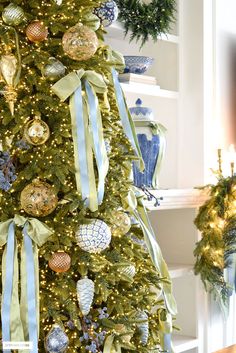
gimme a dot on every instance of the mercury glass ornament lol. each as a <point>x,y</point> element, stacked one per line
<point>94,237</point>
<point>36,131</point>
<point>107,13</point>
<point>36,32</point>
<point>13,15</point>
<point>85,293</point>
<point>54,69</point>
<point>121,223</point>
<point>80,42</point>
<point>60,262</point>
<point>38,199</point>
<point>56,341</point>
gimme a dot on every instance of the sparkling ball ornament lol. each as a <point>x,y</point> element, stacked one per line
<point>80,42</point>
<point>60,262</point>
<point>143,327</point>
<point>121,223</point>
<point>13,15</point>
<point>94,237</point>
<point>85,294</point>
<point>38,199</point>
<point>128,271</point>
<point>36,132</point>
<point>36,32</point>
<point>54,69</point>
<point>107,13</point>
<point>56,341</point>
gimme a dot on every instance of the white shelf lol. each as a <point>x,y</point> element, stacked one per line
<point>184,343</point>
<point>179,270</point>
<point>148,90</point>
<point>177,199</point>
<point>116,30</point>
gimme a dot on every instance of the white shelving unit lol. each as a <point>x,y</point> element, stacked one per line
<point>177,105</point>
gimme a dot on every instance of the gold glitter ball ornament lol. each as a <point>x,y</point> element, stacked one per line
<point>80,42</point>
<point>36,32</point>
<point>13,15</point>
<point>38,199</point>
<point>60,262</point>
<point>36,131</point>
<point>121,223</point>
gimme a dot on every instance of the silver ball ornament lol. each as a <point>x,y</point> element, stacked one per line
<point>13,15</point>
<point>54,69</point>
<point>56,341</point>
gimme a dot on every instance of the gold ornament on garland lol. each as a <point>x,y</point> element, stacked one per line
<point>38,199</point>
<point>80,42</point>
<point>8,70</point>
<point>36,32</point>
<point>121,223</point>
<point>13,15</point>
<point>60,262</point>
<point>36,131</point>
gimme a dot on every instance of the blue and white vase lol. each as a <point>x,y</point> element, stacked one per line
<point>152,142</point>
<point>56,341</point>
<point>107,13</point>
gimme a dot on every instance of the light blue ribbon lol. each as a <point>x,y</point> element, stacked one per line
<point>126,120</point>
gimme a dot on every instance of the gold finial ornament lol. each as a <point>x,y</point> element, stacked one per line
<point>8,70</point>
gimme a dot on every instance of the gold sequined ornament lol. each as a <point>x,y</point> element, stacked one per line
<point>80,42</point>
<point>13,15</point>
<point>38,199</point>
<point>54,69</point>
<point>36,31</point>
<point>8,70</point>
<point>36,131</point>
<point>60,262</point>
<point>121,223</point>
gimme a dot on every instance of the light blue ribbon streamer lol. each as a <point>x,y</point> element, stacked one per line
<point>81,143</point>
<point>167,343</point>
<point>31,290</point>
<point>126,122</point>
<point>94,111</point>
<point>7,295</point>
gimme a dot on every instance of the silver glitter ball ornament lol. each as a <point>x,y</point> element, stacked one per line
<point>13,15</point>
<point>94,237</point>
<point>54,69</point>
<point>56,341</point>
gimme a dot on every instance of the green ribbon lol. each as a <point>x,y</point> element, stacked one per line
<point>39,233</point>
<point>110,346</point>
<point>68,87</point>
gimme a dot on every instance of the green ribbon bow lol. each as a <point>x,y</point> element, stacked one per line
<point>39,233</point>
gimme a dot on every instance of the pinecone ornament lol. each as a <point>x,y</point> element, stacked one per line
<point>85,294</point>
<point>143,327</point>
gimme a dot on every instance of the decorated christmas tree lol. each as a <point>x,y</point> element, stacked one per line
<point>81,268</point>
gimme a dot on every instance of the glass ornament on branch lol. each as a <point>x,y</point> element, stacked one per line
<point>13,15</point>
<point>8,71</point>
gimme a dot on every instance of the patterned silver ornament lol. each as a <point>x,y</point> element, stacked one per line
<point>143,327</point>
<point>85,294</point>
<point>129,271</point>
<point>94,237</point>
<point>107,12</point>
<point>56,341</point>
<point>54,69</point>
<point>13,15</point>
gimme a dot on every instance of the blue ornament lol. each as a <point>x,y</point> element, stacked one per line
<point>56,341</point>
<point>107,13</point>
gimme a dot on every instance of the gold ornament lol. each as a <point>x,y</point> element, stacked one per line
<point>13,15</point>
<point>60,262</point>
<point>80,42</point>
<point>38,199</point>
<point>36,131</point>
<point>36,32</point>
<point>8,69</point>
<point>121,223</point>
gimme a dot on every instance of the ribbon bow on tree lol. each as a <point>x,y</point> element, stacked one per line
<point>87,131</point>
<point>20,319</point>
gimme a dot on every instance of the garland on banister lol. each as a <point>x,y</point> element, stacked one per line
<point>215,252</point>
<point>146,20</point>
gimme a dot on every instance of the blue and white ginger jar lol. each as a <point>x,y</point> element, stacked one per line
<point>107,13</point>
<point>152,142</point>
<point>56,341</point>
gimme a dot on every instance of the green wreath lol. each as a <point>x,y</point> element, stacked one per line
<point>146,20</point>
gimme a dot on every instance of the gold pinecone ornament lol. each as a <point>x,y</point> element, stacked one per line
<point>85,294</point>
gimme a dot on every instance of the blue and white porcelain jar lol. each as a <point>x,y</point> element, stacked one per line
<point>107,12</point>
<point>152,142</point>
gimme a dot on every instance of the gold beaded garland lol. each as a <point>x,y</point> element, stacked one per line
<point>36,31</point>
<point>80,42</point>
<point>36,131</point>
<point>121,223</point>
<point>60,262</point>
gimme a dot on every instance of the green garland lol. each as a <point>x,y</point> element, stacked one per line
<point>146,20</point>
<point>214,253</point>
